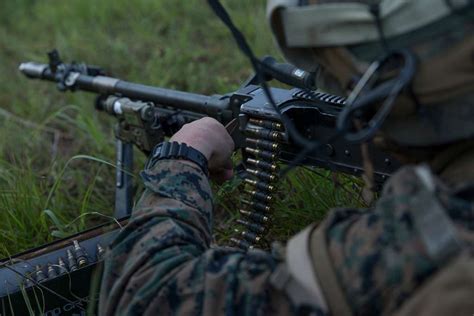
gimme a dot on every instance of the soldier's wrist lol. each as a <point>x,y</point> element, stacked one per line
<point>179,151</point>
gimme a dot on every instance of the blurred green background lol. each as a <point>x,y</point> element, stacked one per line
<point>46,189</point>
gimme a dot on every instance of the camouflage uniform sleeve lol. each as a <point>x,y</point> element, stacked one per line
<point>162,261</point>
<point>379,255</point>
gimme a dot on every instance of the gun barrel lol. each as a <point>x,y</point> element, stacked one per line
<point>33,70</point>
<point>216,106</point>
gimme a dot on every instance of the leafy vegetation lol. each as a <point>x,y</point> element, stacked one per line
<point>57,152</point>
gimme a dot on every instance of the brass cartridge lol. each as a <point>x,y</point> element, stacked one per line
<point>252,226</point>
<point>259,195</point>
<point>259,207</point>
<point>260,185</point>
<point>266,124</point>
<point>262,164</point>
<point>262,175</point>
<point>262,144</point>
<point>257,217</point>
<point>249,236</point>
<point>261,153</point>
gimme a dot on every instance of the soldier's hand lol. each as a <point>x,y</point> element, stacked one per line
<point>212,139</point>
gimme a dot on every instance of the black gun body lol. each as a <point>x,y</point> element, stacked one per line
<point>313,113</point>
<point>314,116</point>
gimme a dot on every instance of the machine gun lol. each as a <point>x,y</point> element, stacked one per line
<point>58,275</point>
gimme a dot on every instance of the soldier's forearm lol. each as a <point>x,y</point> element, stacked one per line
<point>170,226</point>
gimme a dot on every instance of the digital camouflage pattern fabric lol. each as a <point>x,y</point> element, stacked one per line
<point>164,262</point>
<point>382,256</point>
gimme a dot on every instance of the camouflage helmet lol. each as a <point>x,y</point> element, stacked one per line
<point>340,38</point>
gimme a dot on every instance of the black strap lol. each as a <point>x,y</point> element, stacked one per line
<point>175,150</point>
<point>259,68</point>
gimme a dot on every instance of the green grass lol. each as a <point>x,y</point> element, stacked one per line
<point>49,184</point>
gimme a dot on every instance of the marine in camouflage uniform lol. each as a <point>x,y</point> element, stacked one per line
<point>418,226</point>
<point>164,261</point>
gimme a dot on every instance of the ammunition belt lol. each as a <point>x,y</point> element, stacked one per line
<point>261,154</point>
